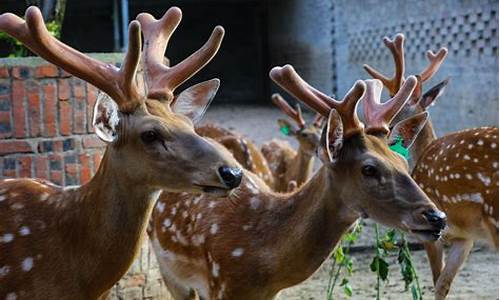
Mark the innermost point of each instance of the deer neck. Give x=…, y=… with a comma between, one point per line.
x=105, y=223
x=318, y=217
x=302, y=166
x=426, y=136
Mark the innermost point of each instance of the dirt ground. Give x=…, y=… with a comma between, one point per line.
x=478, y=279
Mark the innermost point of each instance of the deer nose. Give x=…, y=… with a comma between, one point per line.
x=436, y=218
x=231, y=176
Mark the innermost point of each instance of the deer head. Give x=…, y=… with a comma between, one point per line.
x=151, y=136
x=419, y=101
x=307, y=134
x=357, y=155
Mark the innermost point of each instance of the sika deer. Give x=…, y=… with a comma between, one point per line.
x=292, y=168
x=458, y=171
x=255, y=242
x=60, y=243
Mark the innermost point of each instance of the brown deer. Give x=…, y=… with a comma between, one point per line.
x=459, y=173
x=61, y=243
x=292, y=168
x=243, y=149
x=256, y=242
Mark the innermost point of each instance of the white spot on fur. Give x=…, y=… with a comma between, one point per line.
x=246, y=227
x=24, y=231
x=7, y=238
x=4, y=271
x=468, y=176
x=495, y=165
x=485, y=179
x=199, y=216
x=2, y=198
x=184, y=214
x=17, y=206
x=254, y=202
x=173, y=211
x=197, y=199
x=198, y=239
x=237, y=252
x=215, y=269
x=27, y=264
x=211, y=204
x=167, y=222
x=11, y=296
x=160, y=207
x=466, y=157
x=214, y=228
x=493, y=145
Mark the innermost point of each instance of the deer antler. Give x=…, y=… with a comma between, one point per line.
x=119, y=84
x=162, y=80
x=379, y=115
x=289, y=80
x=295, y=114
x=396, y=46
x=318, y=120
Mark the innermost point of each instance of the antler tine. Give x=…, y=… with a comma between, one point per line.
x=289, y=80
x=435, y=62
x=117, y=83
x=379, y=115
x=397, y=49
x=162, y=80
x=296, y=115
x=318, y=120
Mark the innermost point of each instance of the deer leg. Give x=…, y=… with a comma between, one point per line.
x=493, y=231
x=435, y=253
x=459, y=251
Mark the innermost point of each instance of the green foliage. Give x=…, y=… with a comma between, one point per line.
x=18, y=49
x=343, y=261
x=285, y=130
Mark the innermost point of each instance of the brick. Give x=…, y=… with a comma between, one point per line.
x=45, y=71
x=91, y=98
x=14, y=146
x=24, y=166
x=4, y=87
x=79, y=116
x=85, y=168
x=56, y=177
x=68, y=144
x=21, y=72
x=5, y=102
x=78, y=88
x=34, y=113
x=19, y=112
x=97, y=160
x=71, y=170
x=45, y=146
x=55, y=162
x=63, y=89
x=9, y=167
x=4, y=72
x=49, y=110
x=41, y=167
x=65, y=117
x=58, y=146
x=92, y=141
x=5, y=127
x=64, y=74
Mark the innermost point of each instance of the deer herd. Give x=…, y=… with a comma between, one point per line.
x=226, y=219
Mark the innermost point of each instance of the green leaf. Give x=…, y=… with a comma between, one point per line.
x=339, y=255
x=285, y=130
x=414, y=293
x=383, y=269
x=348, y=289
x=373, y=265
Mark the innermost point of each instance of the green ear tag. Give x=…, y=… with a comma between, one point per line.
x=285, y=130
x=399, y=148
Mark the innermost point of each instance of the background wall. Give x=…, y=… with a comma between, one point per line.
x=469, y=29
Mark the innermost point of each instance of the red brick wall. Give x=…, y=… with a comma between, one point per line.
x=46, y=124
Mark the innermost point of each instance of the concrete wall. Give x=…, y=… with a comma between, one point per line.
x=46, y=132
x=300, y=33
x=469, y=29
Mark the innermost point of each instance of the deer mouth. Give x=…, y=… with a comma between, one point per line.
x=427, y=234
x=214, y=190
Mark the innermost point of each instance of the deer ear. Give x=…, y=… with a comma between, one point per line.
x=406, y=131
x=431, y=95
x=287, y=128
x=194, y=101
x=106, y=118
x=331, y=138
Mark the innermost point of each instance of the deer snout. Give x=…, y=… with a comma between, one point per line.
x=436, y=218
x=231, y=176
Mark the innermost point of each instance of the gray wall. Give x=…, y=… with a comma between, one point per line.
x=300, y=33
x=469, y=29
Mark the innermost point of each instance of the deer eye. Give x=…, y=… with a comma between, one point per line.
x=149, y=136
x=369, y=170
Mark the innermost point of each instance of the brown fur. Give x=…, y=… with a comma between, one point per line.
x=256, y=242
